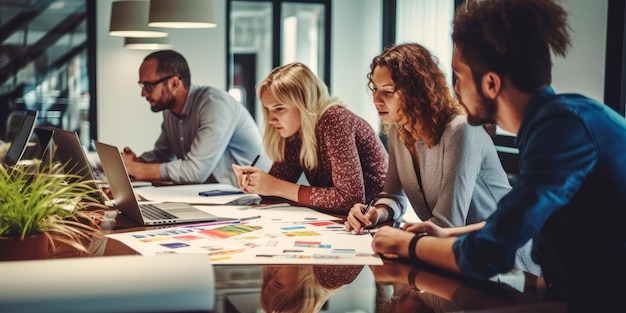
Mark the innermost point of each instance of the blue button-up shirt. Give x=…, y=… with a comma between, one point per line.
x=570, y=196
x=212, y=132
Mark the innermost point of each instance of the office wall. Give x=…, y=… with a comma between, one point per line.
x=356, y=39
x=582, y=70
x=124, y=117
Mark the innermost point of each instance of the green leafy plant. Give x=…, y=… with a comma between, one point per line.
x=37, y=198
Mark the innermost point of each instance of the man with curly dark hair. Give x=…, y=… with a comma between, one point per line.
x=572, y=152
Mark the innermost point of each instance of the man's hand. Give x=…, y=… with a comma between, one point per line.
x=427, y=227
x=128, y=155
x=392, y=242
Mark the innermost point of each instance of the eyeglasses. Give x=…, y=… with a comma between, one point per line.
x=149, y=86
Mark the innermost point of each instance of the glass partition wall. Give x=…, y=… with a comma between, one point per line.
x=45, y=60
x=264, y=34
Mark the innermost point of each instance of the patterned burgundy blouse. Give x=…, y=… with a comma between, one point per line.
x=335, y=276
x=352, y=163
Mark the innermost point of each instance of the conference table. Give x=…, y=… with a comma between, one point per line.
x=396, y=286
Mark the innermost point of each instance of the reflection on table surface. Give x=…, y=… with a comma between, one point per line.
x=393, y=287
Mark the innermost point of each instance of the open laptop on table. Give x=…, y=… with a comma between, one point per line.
x=70, y=152
x=44, y=137
x=19, y=143
x=126, y=201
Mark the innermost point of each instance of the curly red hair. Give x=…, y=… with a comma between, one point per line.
x=427, y=104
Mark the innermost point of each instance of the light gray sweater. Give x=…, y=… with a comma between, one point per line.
x=462, y=176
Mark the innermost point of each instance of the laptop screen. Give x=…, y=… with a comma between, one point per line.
x=71, y=154
x=18, y=144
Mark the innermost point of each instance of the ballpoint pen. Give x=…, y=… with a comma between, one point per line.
x=249, y=218
x=219, y=193
x=255, y=159
x=367, y=209
x=244, y=177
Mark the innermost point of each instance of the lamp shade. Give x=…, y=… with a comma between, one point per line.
x=182, y=13
x=130, y=19
x=147, y=43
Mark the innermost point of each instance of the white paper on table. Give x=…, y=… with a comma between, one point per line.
x=189, y=194
x=269, y=215
x=257, y=243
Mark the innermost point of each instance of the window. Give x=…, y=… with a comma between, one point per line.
x=265, y=34
x=46, y=60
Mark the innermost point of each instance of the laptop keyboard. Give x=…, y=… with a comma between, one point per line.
x=152, y=212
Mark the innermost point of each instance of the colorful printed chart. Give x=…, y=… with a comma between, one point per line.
x=249, y=243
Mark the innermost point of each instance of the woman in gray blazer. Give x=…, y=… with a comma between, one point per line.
x=449, y=170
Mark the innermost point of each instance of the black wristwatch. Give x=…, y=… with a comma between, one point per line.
x=413, y=244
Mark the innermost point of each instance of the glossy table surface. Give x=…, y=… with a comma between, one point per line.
x=396, y=286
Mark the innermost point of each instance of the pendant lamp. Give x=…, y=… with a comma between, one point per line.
x=147, y=43
x=182, y=14
x=130, y=19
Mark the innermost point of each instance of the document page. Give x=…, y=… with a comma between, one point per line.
x=191, y=194
x=250, y=242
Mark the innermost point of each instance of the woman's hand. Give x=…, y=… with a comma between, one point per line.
x=357, y=221
x=254, y=180
x=242, y=176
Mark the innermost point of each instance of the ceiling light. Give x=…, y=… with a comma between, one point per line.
x=182, y=14
x=147, y=43
x=130, y=19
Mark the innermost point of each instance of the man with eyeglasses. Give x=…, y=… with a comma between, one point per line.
x=204, y=129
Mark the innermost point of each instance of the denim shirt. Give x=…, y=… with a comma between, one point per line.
x=570, y=196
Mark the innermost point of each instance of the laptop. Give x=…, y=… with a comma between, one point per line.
x=126, y=201
x=37, y=146
x=70, y=153
x=20, y=142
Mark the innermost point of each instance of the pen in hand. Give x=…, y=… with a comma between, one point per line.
x=244, y=178
x=367, y=209
x=255, y=159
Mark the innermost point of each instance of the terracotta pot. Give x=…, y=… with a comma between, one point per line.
x=30, y=248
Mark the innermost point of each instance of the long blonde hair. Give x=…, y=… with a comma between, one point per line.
x=294, y=84
x=307, y=296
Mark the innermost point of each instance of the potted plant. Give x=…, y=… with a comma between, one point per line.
x=40, y=208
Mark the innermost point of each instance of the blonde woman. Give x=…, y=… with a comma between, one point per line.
x=309, y=132
x=303, y=289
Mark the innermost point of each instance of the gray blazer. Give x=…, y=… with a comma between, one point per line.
x=462, y=176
